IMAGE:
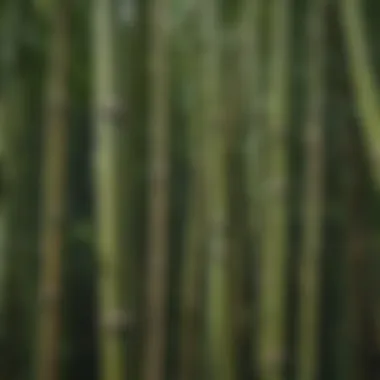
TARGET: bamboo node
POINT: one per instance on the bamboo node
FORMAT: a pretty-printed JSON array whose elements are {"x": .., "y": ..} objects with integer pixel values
[
  {"x": 113, "y": 112},
  {"x": 274, "y": 359},
  {"x": 128, "y": 13},
  {"x": 275, "y": 186},
  {"x": 279, "y": 134},
  {"x": 48, "y": 296},
  {"x": 118, "y": 321},
  {"x": 56, "y": 219},
  {"x": 313, "y": 135},
  {"x": 218, "y": 235},
  {"x": 58, "y": 107}
]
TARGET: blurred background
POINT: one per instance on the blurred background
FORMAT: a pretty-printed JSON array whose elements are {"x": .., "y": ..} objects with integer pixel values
[{"x": 189, "y": 190}]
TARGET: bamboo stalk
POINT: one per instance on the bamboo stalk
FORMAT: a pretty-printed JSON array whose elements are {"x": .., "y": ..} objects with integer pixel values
[
  {"x": 18, "y": 204},
  {"x": 366, "y": 92},
  {"x": 363, "y": 79},
  {"x": 358, "y": 313},
  {"x": 158, "y": 256},
  {"x": 274, "y": 242},
  {"x": 191, "y": 284},
  {"x": 108, "y": 185},
  {"x": 3, "y": 225},
  {"x": 252, "y": 69},
  {"x": 232, "y": 119},
  {"x": 20, "y": 232},
  {"x": 218, "y": 326},
  {"x": 308, "y": 333},
  {"x": 10, "y": 20},
  {"x": 53, "y": 197},
  {"x": 193, "y": 261}
]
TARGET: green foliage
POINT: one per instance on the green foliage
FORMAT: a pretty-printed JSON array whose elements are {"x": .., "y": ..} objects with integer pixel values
[{"x": 24, "y": 32}]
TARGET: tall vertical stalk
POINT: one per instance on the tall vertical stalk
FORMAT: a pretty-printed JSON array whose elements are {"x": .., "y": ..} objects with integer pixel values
[
  {"x": 232, "y": 125},
  {"x": 192, "y": 276},
  {"x": 193, "y": 260},
  {"x": 363, "y": 79},
  {"x": 366, "y": 91},
  {"x": 53, "y": 195},
  {"x": 108, "y": 189},
  {"x": 252, "y": 69},
  {"x": 20, "y": 235},
  {"x": 19, "y": 204},
  {"x": 157, "y": 271},
  {"x": 218, "y": 327},
  {"x": 2, "y": 222},
  {"x": 313, "y": 199},
  {"x": 273, "y": 256},
  {"x": 10, "y": 20}
]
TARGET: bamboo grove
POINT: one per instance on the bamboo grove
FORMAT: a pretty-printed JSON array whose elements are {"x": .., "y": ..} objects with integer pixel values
[{"x": 189, "y": 190}]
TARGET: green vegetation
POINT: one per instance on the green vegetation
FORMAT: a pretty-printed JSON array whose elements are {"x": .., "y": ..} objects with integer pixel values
[{"x": 189, "y": 190}]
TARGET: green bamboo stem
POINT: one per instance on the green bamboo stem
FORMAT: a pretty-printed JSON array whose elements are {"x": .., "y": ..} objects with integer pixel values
[
  {"x": 363, "y": 79},
  {"x": 309, "y": 285},
  {"x": 130, "y": 267},
  {"x": 18, "y": 205},
  {"x": 10, "y": 19},
  {"x": 232, "y": 120},
  {"x": 158, "y": 233},
  {"x": 252, "y": 68},
  {"x": 193, "y": 261},
  {"x": 274, "y": 242},
  {"x": 191, "y": 283},
  {"x": 366, "y": 89},
  {"x": 218, "y": 326},
  {"x": 357, "y": 303},
  {"x": 20, "y": 234},
  {"x": 3, "y": 260},
  {"x": 108, "y": 181},
  {"x": 53, "y": 197}
]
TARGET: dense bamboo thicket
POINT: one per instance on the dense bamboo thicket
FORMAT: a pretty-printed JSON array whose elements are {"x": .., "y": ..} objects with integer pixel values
[{"x": 189, "y": 189}]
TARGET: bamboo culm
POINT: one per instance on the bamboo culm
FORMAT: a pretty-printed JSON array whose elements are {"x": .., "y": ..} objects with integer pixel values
[
  {"x": 218, "y": 326},
  {"x": 53, "y": 196},
  {"x": 108, "y": 178},
  {"x": 273, "y": 248},
  {"x": 158, "y": 231},
  {"x": 363, "y": 79},
  {"x": 309, "y": 270}
]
